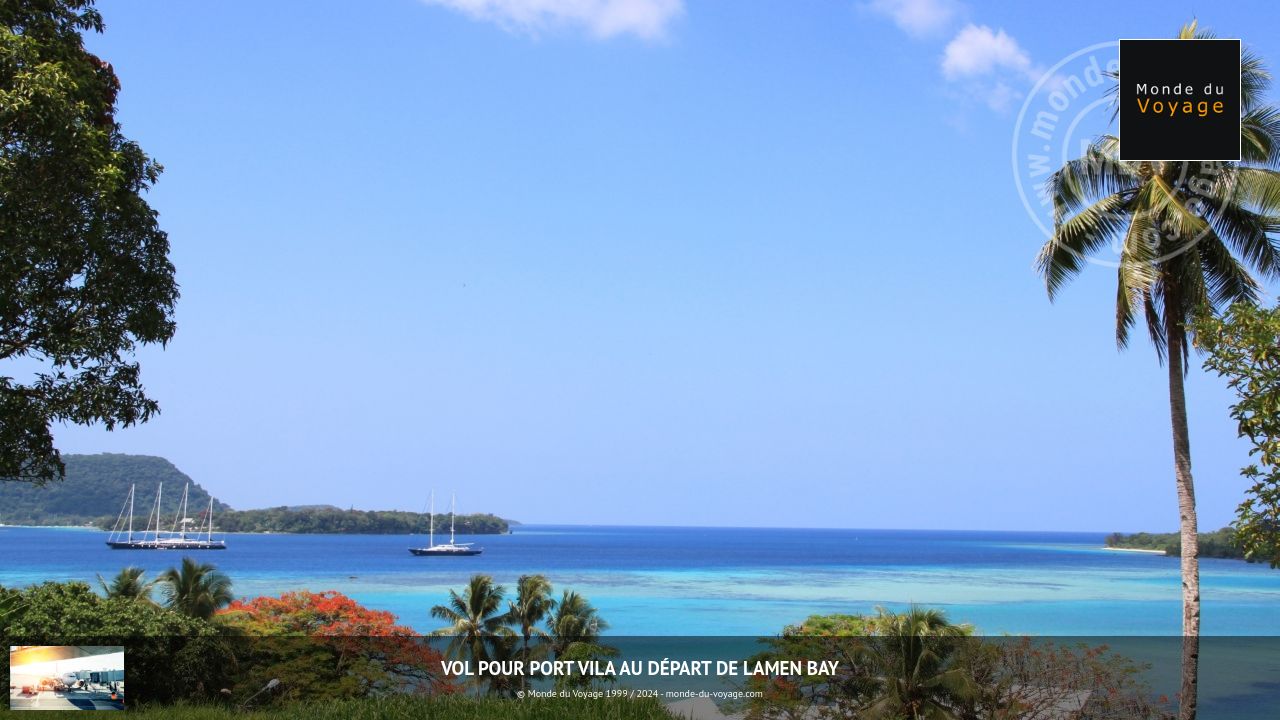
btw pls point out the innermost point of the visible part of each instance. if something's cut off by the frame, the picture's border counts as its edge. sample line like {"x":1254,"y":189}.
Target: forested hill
{"x":97,"y":485}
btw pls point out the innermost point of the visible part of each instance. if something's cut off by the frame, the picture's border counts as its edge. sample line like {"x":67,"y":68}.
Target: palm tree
{"x":1189,"y":234}
{"x":913,"y":660}
{"x":574,"y":629}
{"x":128,"y":584}
{"x":532,"y":605}
{"x":575,"y":620}
{"x":197,"y":589}
{"x":477,"y":629}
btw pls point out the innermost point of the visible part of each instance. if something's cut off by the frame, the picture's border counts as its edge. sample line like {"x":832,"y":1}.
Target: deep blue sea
{"x":724,"y":581}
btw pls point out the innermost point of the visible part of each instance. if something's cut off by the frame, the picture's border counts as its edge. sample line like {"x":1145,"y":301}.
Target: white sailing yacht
{"x":122,"y":535}
{"x":451,"y":548}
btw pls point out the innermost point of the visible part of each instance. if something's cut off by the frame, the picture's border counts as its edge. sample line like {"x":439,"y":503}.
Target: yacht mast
{"x":453,"y":502}
{"x":177,"y":515}
{"x":159,"y":493}
{"x":431,"y":519}
{"x":132,"y":488}
{"x":210,"y":537}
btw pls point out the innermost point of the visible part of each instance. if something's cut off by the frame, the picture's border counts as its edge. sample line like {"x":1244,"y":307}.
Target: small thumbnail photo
{"x":66,"y":677}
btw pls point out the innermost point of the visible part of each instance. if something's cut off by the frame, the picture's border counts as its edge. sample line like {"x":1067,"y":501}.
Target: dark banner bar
{"x":1126,"y":678}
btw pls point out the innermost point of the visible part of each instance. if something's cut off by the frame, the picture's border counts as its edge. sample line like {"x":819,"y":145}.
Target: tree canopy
{"x":1242,"y":347}
{"x":325,"y":645}
{"x":85,"y":276}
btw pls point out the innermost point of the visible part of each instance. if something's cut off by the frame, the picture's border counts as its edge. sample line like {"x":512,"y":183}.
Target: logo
{"x":1179,"y":100}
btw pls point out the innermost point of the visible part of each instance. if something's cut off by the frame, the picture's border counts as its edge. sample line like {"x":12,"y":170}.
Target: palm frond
{"x":1254,"y":80}
{"x":1225,"y":281}
{"x":1098,"y":173}
{"x":1135,"y":275}
{"x":1155,"y":323}
{"x":1260,"y":135}
{"x":1246,"y":231}
{"x":1062,"y":257}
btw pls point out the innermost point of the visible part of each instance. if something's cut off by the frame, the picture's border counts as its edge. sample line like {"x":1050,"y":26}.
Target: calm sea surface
{"x":724,"y":581}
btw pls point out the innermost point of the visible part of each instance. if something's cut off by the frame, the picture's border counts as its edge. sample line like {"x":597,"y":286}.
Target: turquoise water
{"x":726,"y":581}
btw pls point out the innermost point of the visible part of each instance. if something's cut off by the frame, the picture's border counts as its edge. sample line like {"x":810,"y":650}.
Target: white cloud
{"x":989,"y":66}
{"x":917,"y":17}
{"x":978,"y":50}
{"x":646,"y":19}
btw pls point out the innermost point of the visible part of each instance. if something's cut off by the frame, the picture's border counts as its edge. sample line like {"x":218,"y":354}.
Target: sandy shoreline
{"x":1137,"y":550}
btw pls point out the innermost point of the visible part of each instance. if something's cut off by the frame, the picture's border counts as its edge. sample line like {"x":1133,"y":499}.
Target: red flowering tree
{"x":326,"y":645}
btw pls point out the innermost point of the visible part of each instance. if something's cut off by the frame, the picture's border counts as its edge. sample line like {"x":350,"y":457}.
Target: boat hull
{"x":153,"y":545}
{"x":429,"y":552}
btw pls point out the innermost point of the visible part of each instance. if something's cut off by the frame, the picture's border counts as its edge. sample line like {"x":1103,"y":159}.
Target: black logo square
{"x":1179,"y":100}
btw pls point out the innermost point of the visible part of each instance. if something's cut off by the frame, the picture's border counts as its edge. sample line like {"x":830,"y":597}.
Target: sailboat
{"x":451,"y":548}
{"x":178,"y":537}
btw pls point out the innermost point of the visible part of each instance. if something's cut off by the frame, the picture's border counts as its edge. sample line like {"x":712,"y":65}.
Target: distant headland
{"x":1217,"y":544}
{"x":96,"y":485}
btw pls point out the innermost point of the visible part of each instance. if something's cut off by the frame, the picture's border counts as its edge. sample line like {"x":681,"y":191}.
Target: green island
{"x":1217,"y":544}
{"x":328,"y":520}
{"x":96,"y":486}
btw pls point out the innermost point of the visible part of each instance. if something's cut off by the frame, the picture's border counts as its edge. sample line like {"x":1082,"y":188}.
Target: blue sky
{"x":640,"y":261}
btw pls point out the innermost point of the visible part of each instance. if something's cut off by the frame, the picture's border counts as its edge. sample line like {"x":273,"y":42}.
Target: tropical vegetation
{"x":85,"y":277}
{"x":916,"y":664}
{"x":328,"y":519}
{"x":484,"y":626}
{"x":477,"y":626}
{"x":1243,"y":346}
{"x":200,"y":646}
{"x":195,"y":589}
{"x":1222,"y":543}
{"x":327,"y":646}
{"x":171,"y":656}
{"x":1193,"y":236}
{"x":128,"y":584}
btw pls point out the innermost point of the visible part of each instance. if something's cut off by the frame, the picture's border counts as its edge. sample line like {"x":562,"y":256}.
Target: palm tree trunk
{"x":1186,"y":509}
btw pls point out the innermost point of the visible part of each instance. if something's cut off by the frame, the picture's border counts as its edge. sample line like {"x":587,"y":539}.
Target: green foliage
{"x":1243,"y":346}
{"x":479,"y":631}
{"x":895,"y":665}
{"x":1217,"y":544}
{"x":195,"y":589}
{"x":129,"y":585}
{"x":452,"y":707}
{"x":94,"y":489}
{"x":477,"y":627}
{"x":916,"y":664}
{"x":171,"y":656}
{"x":532,"y":605}
{"x":85,"y":276}
{"x":325,"y":519}
{"x":573,"y":631}
{"x":320,"y":645}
